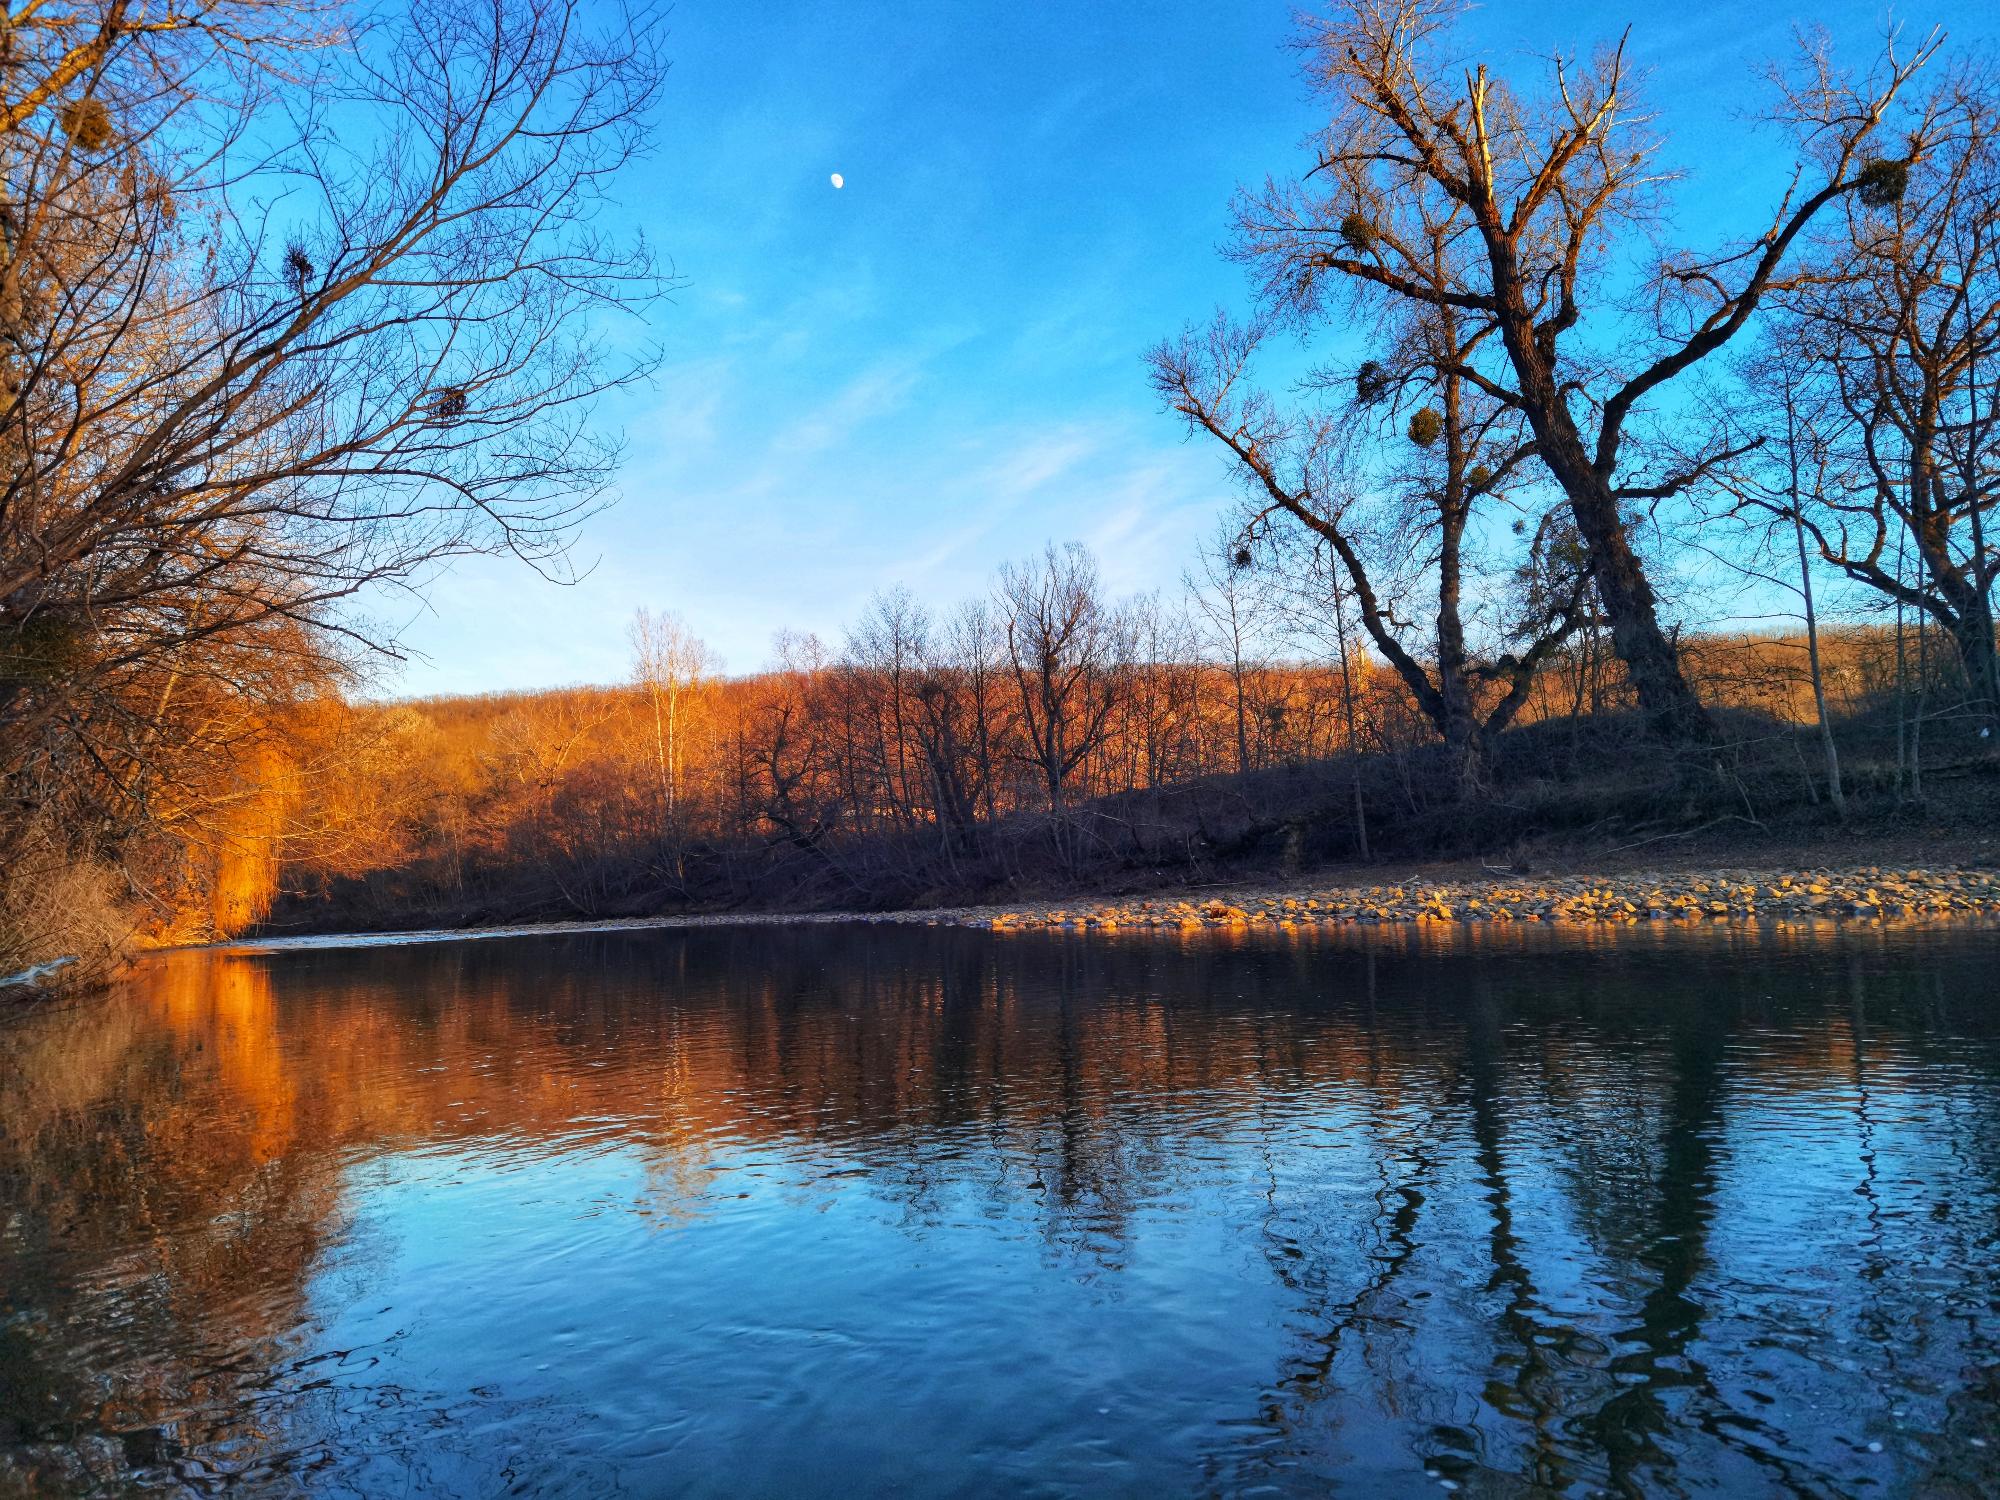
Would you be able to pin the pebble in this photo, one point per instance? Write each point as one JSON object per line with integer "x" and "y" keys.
{"x": 1863, "y": 894}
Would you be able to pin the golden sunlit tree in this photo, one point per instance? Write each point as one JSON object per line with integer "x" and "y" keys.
{"x": 290, "y": 309}
{"x": 671, "y": 664}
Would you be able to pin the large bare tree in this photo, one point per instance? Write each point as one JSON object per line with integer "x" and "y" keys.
{"x": 1536, "y": 187}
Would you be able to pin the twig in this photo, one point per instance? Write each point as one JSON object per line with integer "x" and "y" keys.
{"x": 1687, "y": 833}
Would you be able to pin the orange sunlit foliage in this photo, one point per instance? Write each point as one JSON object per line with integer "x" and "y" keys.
{"x": 873, "y": 783}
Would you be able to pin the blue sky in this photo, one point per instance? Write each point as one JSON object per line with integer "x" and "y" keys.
{"x": 938, "y": 367}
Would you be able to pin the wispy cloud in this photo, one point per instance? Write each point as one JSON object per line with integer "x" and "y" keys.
{"x": 938, "y": 367}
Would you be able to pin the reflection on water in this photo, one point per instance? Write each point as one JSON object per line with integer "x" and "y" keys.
{"x": 869, "y": 1211}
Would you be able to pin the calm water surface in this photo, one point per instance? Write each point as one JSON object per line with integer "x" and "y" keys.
{"x": 872, "y": 1212}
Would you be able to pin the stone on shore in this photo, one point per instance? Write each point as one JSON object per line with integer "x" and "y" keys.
{"x": 1867, "y": 893}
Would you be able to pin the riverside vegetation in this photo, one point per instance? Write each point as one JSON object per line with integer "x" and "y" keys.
{"x": 539, "y": 807}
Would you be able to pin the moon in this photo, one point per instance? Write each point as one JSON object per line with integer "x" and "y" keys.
{"x": 839, "y": 181}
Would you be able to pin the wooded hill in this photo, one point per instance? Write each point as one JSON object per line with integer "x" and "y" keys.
{"x": 869, "y": 782}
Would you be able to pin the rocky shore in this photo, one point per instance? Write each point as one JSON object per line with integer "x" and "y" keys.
{"x": 1864, "y": 893}
{"x": 1782, "y": 897}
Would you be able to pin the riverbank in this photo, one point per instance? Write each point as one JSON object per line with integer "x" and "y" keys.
{"x": 1861, "y": 892}
{"x": 1682, "y": 894}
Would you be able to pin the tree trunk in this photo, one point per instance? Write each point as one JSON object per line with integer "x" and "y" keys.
{"x": 1902, "y": 698}
{"x": 1353, "y": 747}
{"x": 1923, "y": 706}
{"x": 1242, "y": 717}
{"x": 1670, "y": 705}
{"x": 1834, "y": 791}
{"x": 1972, "y": 634}
{"x": 1465, "y": 743}
{"x": 1795, "y": 469}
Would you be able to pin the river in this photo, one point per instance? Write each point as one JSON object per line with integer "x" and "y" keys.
{"x": 898, "y": 1211}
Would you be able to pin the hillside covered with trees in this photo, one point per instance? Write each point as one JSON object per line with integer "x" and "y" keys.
{"x": 1046, "y": 739}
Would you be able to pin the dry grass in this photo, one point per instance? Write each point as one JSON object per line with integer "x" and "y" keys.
{"x": 53, "y": 907}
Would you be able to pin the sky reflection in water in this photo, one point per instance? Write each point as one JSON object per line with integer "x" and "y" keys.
{"x": 842, "y": 1211}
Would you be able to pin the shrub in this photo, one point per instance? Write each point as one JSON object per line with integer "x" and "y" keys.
{"x": 56, "y": 906}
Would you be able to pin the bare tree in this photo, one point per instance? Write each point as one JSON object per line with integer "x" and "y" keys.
{"x": 954, "y": 698}
{"x": 1391, "y": 522}
{"x": 1904, "y": 324}
{"x": 1777, "y": 484}
{"x": 1065, "y": 647}
{"x": 887, "y": 651}
{"x": 791, "y": 785}
{"x": 1163, "y": 739}
{"x": 1315, "y": 596}
{"x": 973, "y": 655}
{"x": 287, "y": 312}
{"x": 1236, "y": 614}
{"x": 1533, "y": 189}
{"x": 670, "y": 663}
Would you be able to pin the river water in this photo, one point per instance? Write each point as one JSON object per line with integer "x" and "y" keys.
{"x": 876, "y": 1211}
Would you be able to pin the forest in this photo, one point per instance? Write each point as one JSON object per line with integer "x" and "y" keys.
{"x": 1042, "y": 740}
{"x": 1555, "y": 514}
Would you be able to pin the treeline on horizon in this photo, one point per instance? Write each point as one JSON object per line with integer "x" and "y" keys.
{"x": 295, "y": 310}
{"x": 1038, "y": 737}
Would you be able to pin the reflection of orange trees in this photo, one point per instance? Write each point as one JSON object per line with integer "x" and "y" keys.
{"x": 151, "y": 1156}
{"x": 222, "y": 1065}
{"x": 314, "y": 1054}
{"x": 186, "y": 1143}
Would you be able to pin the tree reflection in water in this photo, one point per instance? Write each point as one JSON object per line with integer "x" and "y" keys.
{"x": 826, "y": 1210}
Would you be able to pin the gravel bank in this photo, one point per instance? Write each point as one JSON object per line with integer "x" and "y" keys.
{"x": 1863, "y": 893}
